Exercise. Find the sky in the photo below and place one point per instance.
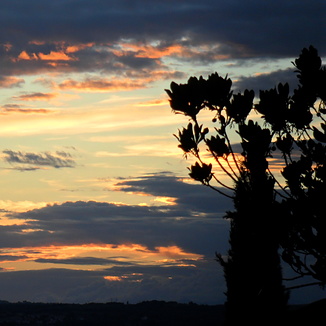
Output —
(96, 204)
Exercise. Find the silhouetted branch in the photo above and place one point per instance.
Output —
(223, 168)
(281, 187)
(217, 190)
(304, 285)
(222, 184)
(233, 156)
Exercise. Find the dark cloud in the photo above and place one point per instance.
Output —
(194, 222)
(267, 81)
(189, 196)
(94, 222)
(37, 38)
(11, 257)
(32, 161)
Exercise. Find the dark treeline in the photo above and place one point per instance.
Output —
(154, 313)
(114, 314)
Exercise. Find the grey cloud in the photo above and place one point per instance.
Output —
(11, 257)
(267, 81)
(194, 197)
(203, 285)
(107, 223)
(36, 160)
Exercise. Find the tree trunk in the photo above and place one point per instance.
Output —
(255, 294)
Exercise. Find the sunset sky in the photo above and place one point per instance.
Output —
(96, 203)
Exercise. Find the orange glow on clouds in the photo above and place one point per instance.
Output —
(131, 277)
(152, 103)
(113, 278)
(148, 51)
(166, 200)
(8, 81)
(58, 256)
(78, 47)
(52, 56)
(55, 56)
(25, 56)
(141, 50)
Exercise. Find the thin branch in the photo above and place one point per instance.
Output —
(318, 113)
(224, 169)
(233, 156)
(292, 278)
(277, 182)
(229, 165)
(222, 184)
(304, 285)
(217, 190)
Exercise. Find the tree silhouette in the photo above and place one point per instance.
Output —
(272, 210)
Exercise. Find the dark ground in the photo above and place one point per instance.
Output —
(111, 314)
(153, 313)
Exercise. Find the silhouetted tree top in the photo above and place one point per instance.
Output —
(291, 130)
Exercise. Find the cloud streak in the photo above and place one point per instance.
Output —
(15, 108)
(32, 161)
(35, 97)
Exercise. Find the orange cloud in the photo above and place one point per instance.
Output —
(25, 56)
(148, 51)
(78, 47)
(156, 51)
(8, 82)
(46, 256)
(113, 278)
(52, 56)
(55, 56)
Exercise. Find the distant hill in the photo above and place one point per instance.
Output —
(114, 314)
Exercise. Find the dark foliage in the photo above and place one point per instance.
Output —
(270, 212)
